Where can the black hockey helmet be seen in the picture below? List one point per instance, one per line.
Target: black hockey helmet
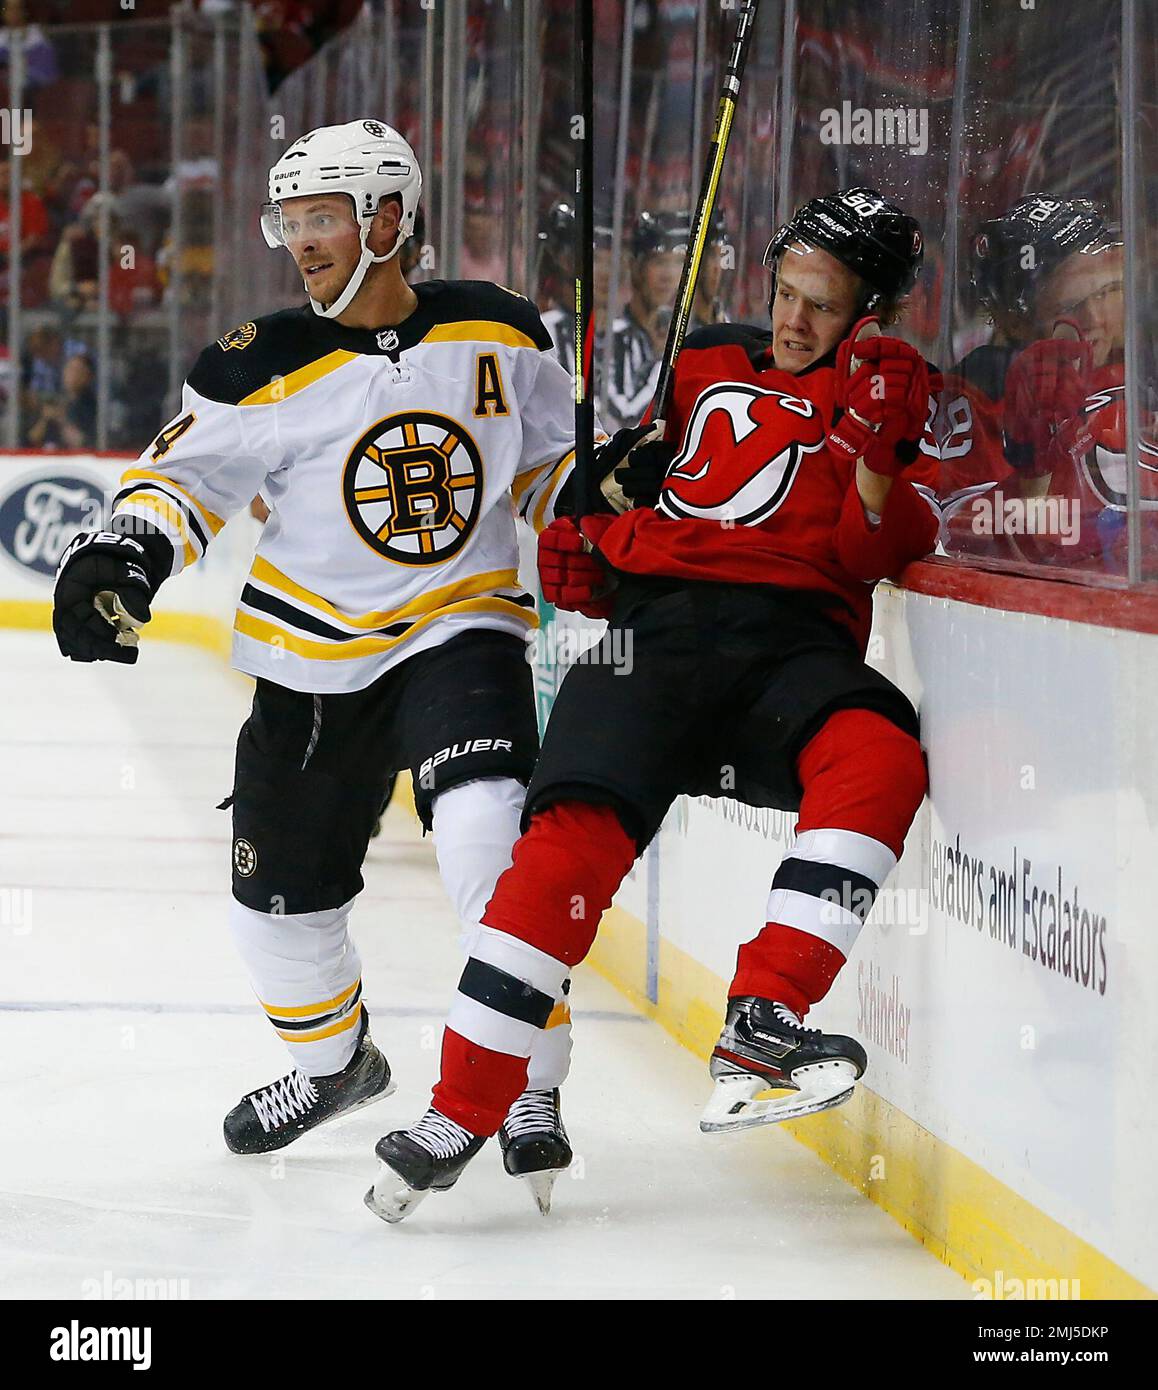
(557, 228)
(1052, 229)
(656, 232)
(874, 238)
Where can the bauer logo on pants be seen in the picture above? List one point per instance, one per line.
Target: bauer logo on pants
(244, 858)
(456, 750)
(412, 487)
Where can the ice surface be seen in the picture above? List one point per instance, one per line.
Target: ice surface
(127, 1030)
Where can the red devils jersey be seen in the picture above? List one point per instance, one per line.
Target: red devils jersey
(1096, 484)
(1082, 523)
(755, 497)
(968, 427)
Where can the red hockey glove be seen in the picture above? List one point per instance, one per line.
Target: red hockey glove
(882, 385)
(571, 575)
(1045, 392)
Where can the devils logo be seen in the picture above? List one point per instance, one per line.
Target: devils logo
(742, 451)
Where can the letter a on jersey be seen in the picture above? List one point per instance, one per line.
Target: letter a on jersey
(488, 390)
(412, 487)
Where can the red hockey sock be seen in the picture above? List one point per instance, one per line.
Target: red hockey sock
(564, 872)
(477, 1086)
(863, 781)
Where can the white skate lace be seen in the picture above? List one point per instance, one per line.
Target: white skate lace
(284, 1100)
(793, 1020)
(785, 1015)
(532, 1113)
(439, 1136)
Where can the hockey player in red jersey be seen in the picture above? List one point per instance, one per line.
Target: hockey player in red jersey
(1066, 415)
(1052, 381)
(796, 481)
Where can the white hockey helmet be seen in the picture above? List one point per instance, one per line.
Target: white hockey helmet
(366, 160)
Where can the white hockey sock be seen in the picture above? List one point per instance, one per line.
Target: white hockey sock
(307, 977)
(475, 827)
(826, 885)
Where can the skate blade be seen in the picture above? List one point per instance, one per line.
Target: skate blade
(542, 1184)
(733, 1104)
(390, 1198)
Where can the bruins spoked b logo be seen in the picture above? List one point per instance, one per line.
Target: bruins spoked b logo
(413, 487)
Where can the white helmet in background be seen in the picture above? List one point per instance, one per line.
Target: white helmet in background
(366, 160)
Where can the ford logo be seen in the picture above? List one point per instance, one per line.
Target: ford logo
(40, 516)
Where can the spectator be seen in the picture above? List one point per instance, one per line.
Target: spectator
(46, 352)
(40, 65)
(35, 239)
(197, 253)
(75, 277)
(68, 421)
(481, 256)
(141, 208)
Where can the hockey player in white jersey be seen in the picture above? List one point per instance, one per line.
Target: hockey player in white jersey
(396, 434)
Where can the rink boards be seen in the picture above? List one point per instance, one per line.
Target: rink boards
(1006, 983)
(46, 498)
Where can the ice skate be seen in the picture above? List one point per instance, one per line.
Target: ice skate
(764, 1047)
(275, 1115)
(535, 1144)
(427, 1157)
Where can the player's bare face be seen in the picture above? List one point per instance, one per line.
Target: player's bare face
(1089, 291)
(322, 237)
(660, 279)
(814, 305)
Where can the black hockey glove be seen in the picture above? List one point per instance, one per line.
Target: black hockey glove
(104, 584)
(642, 475)
(633, 471)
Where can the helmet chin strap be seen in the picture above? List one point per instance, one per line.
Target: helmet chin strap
(358, 274)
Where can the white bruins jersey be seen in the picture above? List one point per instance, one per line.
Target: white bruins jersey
(394, 464)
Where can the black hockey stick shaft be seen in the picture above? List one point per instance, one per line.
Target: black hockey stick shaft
(586, 487)
(705, 206)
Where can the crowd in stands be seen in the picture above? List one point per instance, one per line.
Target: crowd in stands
(62, 209)
(60, 275)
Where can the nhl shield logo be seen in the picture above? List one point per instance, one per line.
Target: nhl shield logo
(388, 340)
(412, 487)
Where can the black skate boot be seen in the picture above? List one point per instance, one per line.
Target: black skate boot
(427, 1157)
(535, 1144)
(764, 1046)
(275, 1115)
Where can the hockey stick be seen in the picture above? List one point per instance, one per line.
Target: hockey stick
(586, 486)
(705, 206)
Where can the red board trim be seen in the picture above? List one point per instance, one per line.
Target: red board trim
(67, 454)
(1101, 602)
